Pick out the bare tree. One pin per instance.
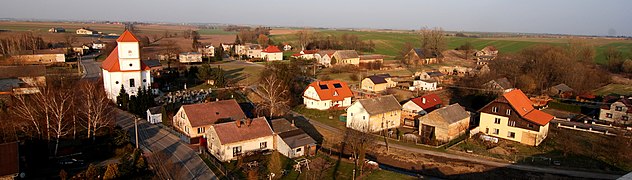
(581, 50)
(25, 108)
(69, 39)
(94, 107)
(275, 94)
(433, 39)
(359, 142)
(60, 104)
(304, 37)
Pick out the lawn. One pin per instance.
(619, 89)
(215, 32)
(390, 43)
(329, 117)
(343, 169)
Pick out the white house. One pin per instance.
(375, 114)
(154, 115)
(86, 31)
(190, 57)
(287, 47)
(290, 140)
(323, 95)
(99, 44)
(208, 51)
(227, 141)
(124, 69)
(426, 85)
(306, 54)
(272, 53)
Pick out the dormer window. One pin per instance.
(618, 108)
(335, 93)
(495, 109)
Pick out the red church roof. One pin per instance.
(111, 63)
(272, 49)
(127, 37)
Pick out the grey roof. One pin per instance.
(155, 110)
(452, 113)
(434, 73)
(379, 78)
(346, 54)
(291, 135)
(7, 85)
(380, 105)
(563, 87)
(22, 71)
(504, 83)
(421, 53)
(152, 63)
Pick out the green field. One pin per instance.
(390, 43)
(619, 89)
(215, 32)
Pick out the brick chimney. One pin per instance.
(293, 123)
(248, 122)
(238, 123)
(423, 100)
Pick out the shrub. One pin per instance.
(354, 77)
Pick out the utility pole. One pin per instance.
(136, 129)
(79, 64)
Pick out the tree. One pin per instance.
(627, 66)
(275, 94)
(237, 39)
(404, 51)
(275, 165)
(60, 104)
(467, 49)
(263, 40)
(195, 36)
(614, 58)
(122, 100)
(94, 107)
(205, 72)
(304, 37)
(111, 172)
(433, 39)
(69, 39)
(92, 172)
(63, 175)
(581, 50)
(359, 142)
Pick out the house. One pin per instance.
(254, 51)
(190, 57)
(323, 95)
(154, 65)
(324, 57)
(482, 69)
(456, 70)
(486, 54)
(499, 85)
(22, 79)
(43, 56)
(226, 46)
(290, 140)
(306, 54)
(99, 44)
(81, 50)
(272, 53)
(425, 85)
(344, 57)
(154, 115)
(57, 30)
(421, 56)
(123, 69)
(86, 31)
(9, 160)
(512, 117)
(378, 83)
(207, 51)
(444, 124)
(240, 49)
(419, 106)
(231, 140)
(193, 120)
(429, 75)
(287, 47)
(561, 90)
(616, 110)
(375, 114)
(371, 58)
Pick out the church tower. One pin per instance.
(123, 68)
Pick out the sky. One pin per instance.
(582, 17)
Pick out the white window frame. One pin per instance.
(497, 120)
(494, 109)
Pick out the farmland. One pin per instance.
(390, 43)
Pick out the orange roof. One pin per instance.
(521, 103)
(127, 37)
(334, 90)
(272, 49)
(310, 51)
(111, 63)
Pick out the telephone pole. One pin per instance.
(136, 129)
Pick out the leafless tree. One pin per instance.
(94, 107)
(580, 50)
(60, 105)
(275, 94)
(359, 142)
(433, 39)
(69, 39)
(304, 37)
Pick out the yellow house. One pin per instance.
(513, 117)
(230, 140)
(375, 114)
(344, 57)
(378, 83)
(193, 120)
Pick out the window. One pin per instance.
(618, 108)
(530, 125)
(350, 114)
(512, 123)
(508, 112)
(182, 115)
(263, 145)
(144, 80)
(625, 118)
(130, 64)
(363, 117)
(511, 134)
(608, 115)
(299, 150)
(495, 109)
(496, 131)
(496, 120)
(116, 82)
(131, 83)
(200, 130)
(237, 151)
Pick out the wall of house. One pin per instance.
(390, 119)
(41, 58)
(113, 88)
(182, 123)
(426, 86)
(616, 116)
(190, 58)
(272, 56)
(357, 117)
(224, 152)
(458, 128)
(254, 53)
(410, 110)
(488, 127)
(34, 81)
(153, 119)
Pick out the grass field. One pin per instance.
(620, 89)
(390, 43)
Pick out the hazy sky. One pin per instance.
(592, 17)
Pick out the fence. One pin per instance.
(589, 129)
(212, 161)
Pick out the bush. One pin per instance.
(325, 78)
(343, 68)
(111, 172)
(354, 77)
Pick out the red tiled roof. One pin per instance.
(127, 37)
(432, 100)
(330, 92)
(310, 51)
(521, 103)
(208, 113)
(229, 132)
(272, 49)
(111, 63)
(9, 163)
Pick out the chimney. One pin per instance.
(216, 99)
(423, 100)
(238, 123)
(248, 122)
(293, 123)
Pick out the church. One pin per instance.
(123, 68)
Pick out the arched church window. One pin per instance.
(116, 82)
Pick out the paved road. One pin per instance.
(479, 160)
(91, 68)
(188, 164)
